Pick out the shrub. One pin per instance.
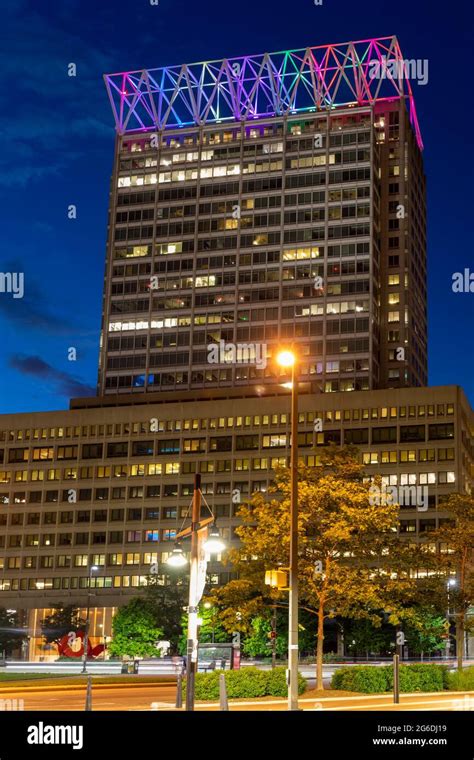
(277, 686)
(419, 677)
(460, 680)
(376, 680)
(364, 678)
(245, 683)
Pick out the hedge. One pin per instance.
(246, 682)
(379, 679)
(461, 680)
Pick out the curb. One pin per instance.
(81, 687)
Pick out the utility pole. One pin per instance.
(192, 645)
(293, 601)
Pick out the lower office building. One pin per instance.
(110, 481)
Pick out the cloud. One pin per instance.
(51, 116)
(64, 383)
(31, 312)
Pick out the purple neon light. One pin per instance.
(317, 78)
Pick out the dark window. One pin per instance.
(117, 449)
(142, 448)
(92, 451)
(384, 435)
(134, 514)
(223, 443)
(168, 447)
(355, 435)
(116, 514)
(100, 515)
(440, 432)
(412, 433)
(83, 516)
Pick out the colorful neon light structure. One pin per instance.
(258, 86)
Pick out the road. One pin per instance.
(162, 698)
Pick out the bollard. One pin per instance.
(396, 679)
(224, 704)
(179, 692)
(89, 694)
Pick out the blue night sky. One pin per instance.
(57, 149)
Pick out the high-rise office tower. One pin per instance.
(260, 201)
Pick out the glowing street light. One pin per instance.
(177, 557)
(287, 359)
(214, 544)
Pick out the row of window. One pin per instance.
(124, 449)
(80, 582)
(143, 427)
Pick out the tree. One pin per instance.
(63, 620)
(134, 630)
(424, 632)
(167, 601)
(348, 548)
(456, 559)
(11, 635)
(362, 637)
(258, 642)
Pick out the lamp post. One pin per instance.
(92, 569)
(449, 583)
(214, 544)
(289, 359)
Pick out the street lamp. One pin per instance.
(92, 569)
(449, 584)
(177, 557)
(214, 544)
(287, 359)
(197, 577)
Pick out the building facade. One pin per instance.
(109, 483)
(230, 235)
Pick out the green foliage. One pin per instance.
(10, 636)
(363, 637)
(211, 630)
(62, 621)
(424, 631)
(134, 630)
(377, 680)
(245, 683)
(277, 685)
(364, 678)
(167, 603)
(461, 680)
(258, 642)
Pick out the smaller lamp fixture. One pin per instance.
(177, 558)
(214, 543)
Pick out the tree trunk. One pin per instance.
(319, 649)
(460, 639)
